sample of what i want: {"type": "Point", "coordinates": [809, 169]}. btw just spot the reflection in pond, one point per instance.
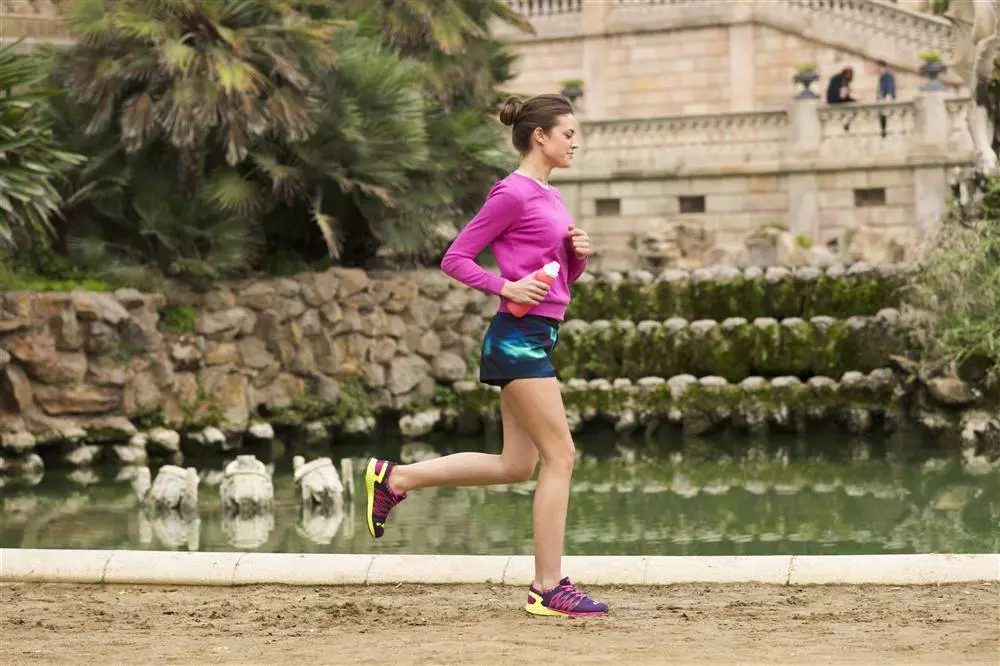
{"type": "Point", "coordinates": [709, 498]}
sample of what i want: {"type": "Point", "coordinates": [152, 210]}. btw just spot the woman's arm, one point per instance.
{"type": "Point", "coordinates": [501, 209]}
{"type": "Point", "coordinates": [577, 267]}
{"type": "Point", "coordinates": [579, 252]}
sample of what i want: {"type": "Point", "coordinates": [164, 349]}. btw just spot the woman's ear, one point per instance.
{"type": "Point", "coordinates": [538, 134]}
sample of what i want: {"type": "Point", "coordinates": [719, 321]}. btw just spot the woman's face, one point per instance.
{"type": "Point", "coordinates": [561, 142]}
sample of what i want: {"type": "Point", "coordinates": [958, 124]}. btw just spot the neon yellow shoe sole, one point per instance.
{"type": "Point", "coordinates": [563, 601]}
{"type": "Point", "coordinates": [370, 480]}
{"type": "Point", "coordinates": [380, 498]}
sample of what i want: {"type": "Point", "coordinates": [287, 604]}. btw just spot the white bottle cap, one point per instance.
{"type": "Point", "coordinates": [551, 269]}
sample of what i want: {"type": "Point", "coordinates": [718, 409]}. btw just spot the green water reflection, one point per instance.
{"type": "Point", "coordinates": [624, 504]}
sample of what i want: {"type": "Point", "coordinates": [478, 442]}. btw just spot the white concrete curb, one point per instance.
{"type": "Point", "coordinates": [184, 568]}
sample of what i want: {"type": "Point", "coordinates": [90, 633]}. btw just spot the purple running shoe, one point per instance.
{"type": "Point", "coordinates": [563, 600]}
{"type": "Point", "coordinates": [381, 499]}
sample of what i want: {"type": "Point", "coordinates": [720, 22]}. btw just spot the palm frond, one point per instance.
{"type": "Point", "coordinates": [30, 163]}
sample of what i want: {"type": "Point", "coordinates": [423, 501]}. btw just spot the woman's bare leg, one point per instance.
{"type": "Point", "coordinates": [538, 407]}
{"type": "Point", "coordinates": [515, 463]}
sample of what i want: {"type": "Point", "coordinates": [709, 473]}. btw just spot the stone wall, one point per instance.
{"type": "Point", "coordinates": [826, 173]}
{"type": "Point", "coordinates": [130, 375]}
{"type": "Point", "coordinates": [88, 361]}
{"type": "Point", "coordinates": [654, 74]}
{"type": "Point", "coordinates": [737, 207]}
{"type": "Point", "coordinates": [647, 59]}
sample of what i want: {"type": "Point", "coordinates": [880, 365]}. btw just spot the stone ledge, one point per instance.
{"type": "Point", "coordinates": [227, 569]}
{"type": "Point", "coordinates": [734, 348]}
{"type": "Point", "coordinates": [717, 292]}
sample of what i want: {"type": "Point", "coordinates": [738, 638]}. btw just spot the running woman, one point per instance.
{"type": "Point", "coordinates": [527, 224]}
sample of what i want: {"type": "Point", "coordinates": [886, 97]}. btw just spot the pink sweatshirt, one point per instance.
{"type": "Point", "coordinates": [528, 226]}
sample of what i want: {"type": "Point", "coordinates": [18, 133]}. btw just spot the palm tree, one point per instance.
{"type": "Point", "coordinates": [185, 70]}
{"type": "Point", "coordinates": [30, 162]}
{"type": "Point", "coordinates": [463, 67]}
{"type": "Point", "coordinates": [178, 97]}
{"type": "Point", "coordinates": [370, 139]}
{"type": "Point", "coordinates": [455, 37]}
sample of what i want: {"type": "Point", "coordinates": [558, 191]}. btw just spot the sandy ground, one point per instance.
{"type": "Point", "coordinates": [415, 624]}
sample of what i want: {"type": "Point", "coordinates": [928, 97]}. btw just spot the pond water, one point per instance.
{"type": "Point", "coordinates": [773, 497]}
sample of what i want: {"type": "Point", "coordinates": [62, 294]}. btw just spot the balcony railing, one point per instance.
{"type": "Point", "coordinates": [845, 133]}
{"type": "Point", "coordinates": [874, 25]}
{"type": "Point", "coordinates": [669, 143]}
{"type": "Point", "coordinates": [35, 20]}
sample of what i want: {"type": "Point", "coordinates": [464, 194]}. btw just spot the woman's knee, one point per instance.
{"type": "Point", "coordinates": [560, 456]}
{"type": "Point", "coordinates": [519, 469]}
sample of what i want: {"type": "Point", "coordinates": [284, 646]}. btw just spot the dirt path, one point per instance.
{"type": "Point", "coordinates": [411, 624]}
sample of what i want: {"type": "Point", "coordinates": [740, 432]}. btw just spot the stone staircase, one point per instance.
{"type": "Point", "coordinates": [872, 28]}
{"type": "Point", "coordinates": [32, 20]}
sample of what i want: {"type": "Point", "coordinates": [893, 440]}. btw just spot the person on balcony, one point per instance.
{"type": "Point", "coordinates": [839, 90]}
{"type": "Point", "coordinates": [886, 91]}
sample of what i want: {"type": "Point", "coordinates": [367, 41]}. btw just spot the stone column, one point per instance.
{"type": "Point", "coordinates": [595, 48]}
{"type": "Point", "coordinates": [930, 141]}
{"type": "Point", "coordinates": [741, 67]}
{"type": "Point", "coordinates": [805, 135]}
{"type": "Point", "coordinates": [931, 130]}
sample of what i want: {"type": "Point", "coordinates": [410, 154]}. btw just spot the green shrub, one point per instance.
{"type": "Point", "coordinates": [43, 270]}
{"type": "Point", "coordinates": [31, 159]}
{"type": "Point", "coordinates": [953, 304]}
{"type": "Point", "coordinates": [180, 319]}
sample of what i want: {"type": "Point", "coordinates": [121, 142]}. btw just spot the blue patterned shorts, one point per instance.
{"type": "Point", "coordinates": [518, 348]}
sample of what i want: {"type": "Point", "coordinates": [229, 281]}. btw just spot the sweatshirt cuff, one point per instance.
{"type": "Point", "coordinates": [495, 284]}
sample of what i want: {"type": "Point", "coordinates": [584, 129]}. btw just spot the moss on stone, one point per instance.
{"type": "Point", "coordinates": [732, 354]}
{"type": "Point", "coordinates": [631, 296]}
{"type": "Point", "coordinates": [829, 340]}
{"type": "Point", "coordinates": [671, 299]}
{"type": "Point", "coordinates": [842, 296]}
{"type": "Point", "coordinates": [797, 345]}
{"type": "Point", "coordinates": [731, 350]}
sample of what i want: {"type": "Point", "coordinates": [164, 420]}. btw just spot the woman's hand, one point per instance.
{"type": "Point", "coordinates": [581, 242]}
{"type": "Point", "coordinates": [527, 291]}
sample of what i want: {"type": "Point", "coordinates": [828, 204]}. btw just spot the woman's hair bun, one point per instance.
{"type": "Point", "coordinates": [511, 108]}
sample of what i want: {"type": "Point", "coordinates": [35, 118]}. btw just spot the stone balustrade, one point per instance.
{"type": "Point", "coordinates": [542, 8]}
{"type": "Point", "coordinates": [856, 128]}
{"type": "Point", "coordinates": [867, 20]}
{"type": "Point", "coordinates": [836, 135]}
{"type": "Point", "coordinates": [34, 20]}
{"type": "Point", "coordinates": [681, 142]}
{"type": "Point", "coordinates": [881, 27]}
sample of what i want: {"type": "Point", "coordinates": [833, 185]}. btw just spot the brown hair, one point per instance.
{"type": "Point", "coordinates": [539, 111]}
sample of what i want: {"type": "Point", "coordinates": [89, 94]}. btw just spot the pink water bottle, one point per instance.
{"type": "Point", "coordinates": [546, 274]}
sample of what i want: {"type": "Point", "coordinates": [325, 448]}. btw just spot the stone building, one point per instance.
{"type": "Point", "coordinates": [691, 122]}
{"type": "Point", "coordinates": [693, 136]}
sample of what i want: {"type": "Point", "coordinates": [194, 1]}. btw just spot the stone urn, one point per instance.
{"type": "Point", "coordinates": [932, 69]}
{"type": "Point", "coordinates": [806, 77]}
{"type": "Point", "coordinates": [572, 90]}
